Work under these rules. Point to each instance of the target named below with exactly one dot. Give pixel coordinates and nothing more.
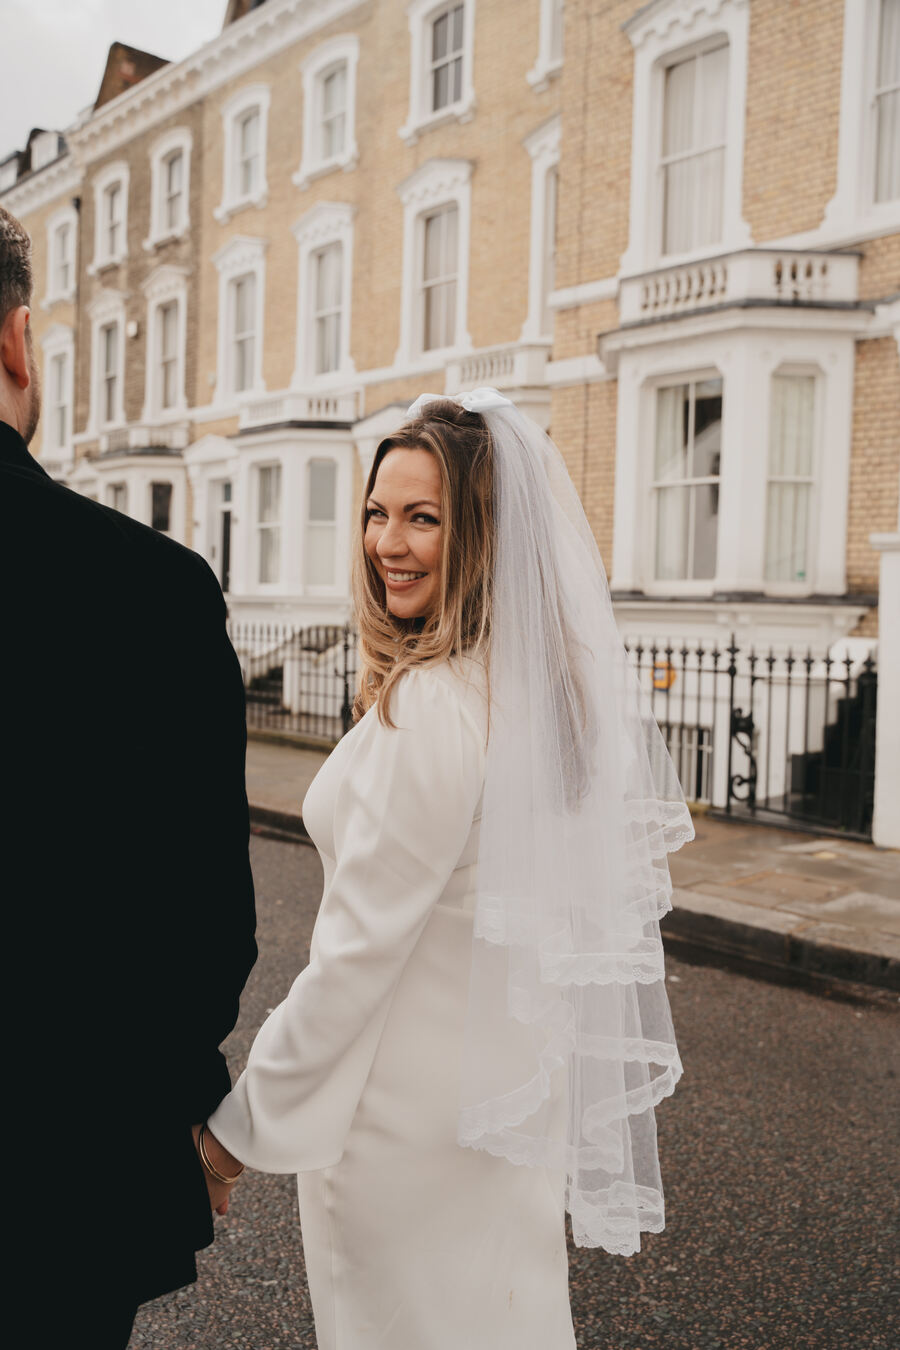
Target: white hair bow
(477, 401)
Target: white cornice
(60, 178)
(661, 17)
(240, 47)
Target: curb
(286, 825)
(759, 940)
(783, 944)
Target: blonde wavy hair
(461, 621)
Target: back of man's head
(16, 280)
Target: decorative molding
(342, 50)
(547, 66)
(437, 182)
(64, 176)
(325, 223)
(251, 97)
(853, 210)
(109, 176)
(240, 47)
(178, 138)
(657, 33)
(421, 13)
(587, 293)
(542, 146)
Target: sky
(53, 52)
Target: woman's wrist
(216, 1158)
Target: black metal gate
(772, 737)
(298, 680)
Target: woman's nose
(391, 542)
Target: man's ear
(14, 345)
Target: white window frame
(166, 285)
(178, 139)
(343, 50)
(421, 15)
(661, 34)
(59, 340)
(324, 224)
(548, 65)
(543, 147)
(814, 372)
(268, 587)
(252, 96)
(746, 362)
(107, 308)
(65, 216)
(853, 211)
(686, 484)
(439, 182)
(110, 176)
(240, 256)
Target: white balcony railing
(299, 408)
(519, 365)
(144, 436)
(760, 275)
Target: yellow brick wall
(507, 111)
(875, 458)
(792, 115)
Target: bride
(482, 1032)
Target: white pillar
(886, 819)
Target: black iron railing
(300, 680)
(770, 736)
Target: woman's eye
(429, 520)
(372, 513)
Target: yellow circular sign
(663, 675)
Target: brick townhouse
(671, 232)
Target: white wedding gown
(411, 1242)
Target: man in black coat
(127, 894)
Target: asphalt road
(779, 1155)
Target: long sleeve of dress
(403, 811)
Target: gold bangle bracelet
(204, 1158)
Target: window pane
(440, 93)
(117, 496)
(707, 447)
(457, 25)
(160, 505)
(322, 484)
(333, 91)
(440, 37)
(672, 409)
(60, 412)
(328, 278)
(244, 301)
(791, 426)
(269, 551)
(712, 102)
(248, 153)
(688, 447)
(671, 534)
(787, 529)
(320, 569)
(269, 493)
(678, 123)
(889, 44)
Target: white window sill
(542, 73)
(309, 171)
(57, 298)
(463, 111)
(226, 210)
(100, 265)
(169, 236)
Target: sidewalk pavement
(815, 908)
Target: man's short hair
(16, 280)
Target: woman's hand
(223, 1161)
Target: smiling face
(403, 531)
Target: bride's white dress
(411, 1242)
